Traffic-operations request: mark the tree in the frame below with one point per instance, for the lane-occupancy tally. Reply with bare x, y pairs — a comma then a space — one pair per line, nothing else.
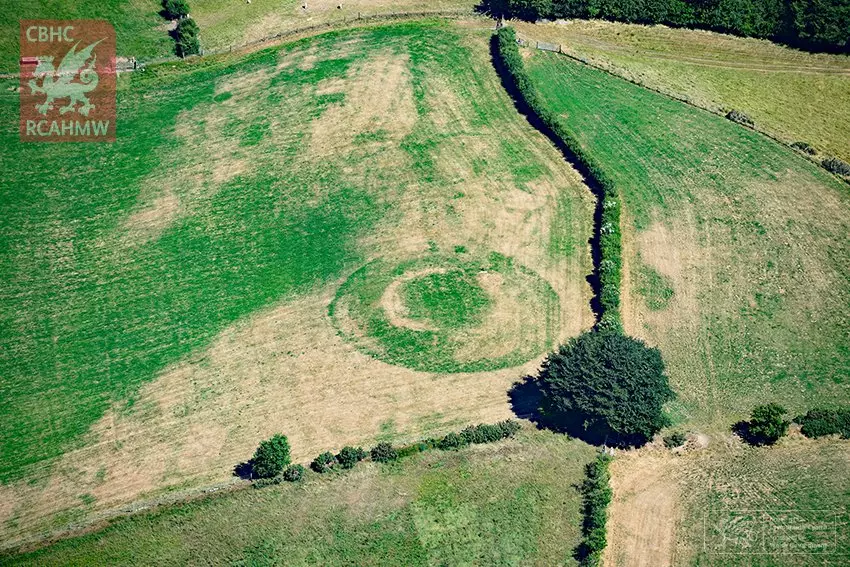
175, 9
350, 456
767, 424
271, 457
186, 36
605, 387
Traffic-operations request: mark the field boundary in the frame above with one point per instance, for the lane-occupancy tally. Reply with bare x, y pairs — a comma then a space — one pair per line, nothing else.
544, 46
606, 240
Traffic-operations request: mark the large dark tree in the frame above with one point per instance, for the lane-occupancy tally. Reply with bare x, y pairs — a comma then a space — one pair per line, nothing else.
605, 387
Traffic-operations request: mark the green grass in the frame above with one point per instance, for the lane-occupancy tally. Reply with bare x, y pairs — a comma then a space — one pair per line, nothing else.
792, 94
509, 503
450, 299
136, 24
751, 238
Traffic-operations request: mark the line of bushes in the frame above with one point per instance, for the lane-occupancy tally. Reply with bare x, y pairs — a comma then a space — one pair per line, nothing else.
271, 462
767, 424
596, 495
607, 240
811, 24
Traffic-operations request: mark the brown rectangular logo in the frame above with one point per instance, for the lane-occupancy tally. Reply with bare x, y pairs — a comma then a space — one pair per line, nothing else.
67, 81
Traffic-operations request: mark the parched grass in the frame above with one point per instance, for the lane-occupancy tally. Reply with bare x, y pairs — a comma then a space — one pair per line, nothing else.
794, 95
509, 503
164, 302
750, 237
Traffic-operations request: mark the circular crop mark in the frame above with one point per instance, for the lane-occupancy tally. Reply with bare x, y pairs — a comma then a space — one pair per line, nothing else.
447, 314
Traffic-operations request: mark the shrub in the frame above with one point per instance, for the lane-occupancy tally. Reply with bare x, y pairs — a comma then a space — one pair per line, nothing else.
819, 422
420, 447
383, 453
186, 36
766, 425
293, 473
175, 9
605, 387
324, 462
740, 118
675, 439
350, 456
836, 165
451, 441
804, 147
271, 457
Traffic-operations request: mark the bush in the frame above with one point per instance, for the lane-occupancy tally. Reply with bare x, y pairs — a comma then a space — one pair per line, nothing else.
264, 482
324, 462
293, 473
766, 425
675, 439
819, 422
740, 118
383, 453
420, 447
271, 457
804, 147
605, 387
186, 36
350, 456
451, 441
175, 9
836, 165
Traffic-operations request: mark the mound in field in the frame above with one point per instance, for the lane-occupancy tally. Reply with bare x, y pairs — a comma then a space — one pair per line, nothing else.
447, 314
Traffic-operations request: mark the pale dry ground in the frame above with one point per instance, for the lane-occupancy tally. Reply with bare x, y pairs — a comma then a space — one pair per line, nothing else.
645, 509
285, 369
791, 94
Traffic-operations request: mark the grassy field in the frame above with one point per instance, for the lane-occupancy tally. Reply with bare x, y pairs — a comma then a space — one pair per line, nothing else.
142, 32
511, 503
794, 95
225, 23
736, 248
165, 298
722, 503
139, 28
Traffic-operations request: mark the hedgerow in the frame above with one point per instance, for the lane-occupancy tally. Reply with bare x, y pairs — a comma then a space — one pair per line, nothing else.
836, 165
609, 237
596, 495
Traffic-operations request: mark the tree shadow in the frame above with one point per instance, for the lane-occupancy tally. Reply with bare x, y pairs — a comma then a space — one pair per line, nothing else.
742, 430
245, 470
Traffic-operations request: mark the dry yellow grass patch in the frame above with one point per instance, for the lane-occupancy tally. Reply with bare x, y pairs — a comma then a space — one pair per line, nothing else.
645, 509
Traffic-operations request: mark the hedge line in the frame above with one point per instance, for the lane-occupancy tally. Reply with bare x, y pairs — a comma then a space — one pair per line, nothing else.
348, 457
596, 495
607, 238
